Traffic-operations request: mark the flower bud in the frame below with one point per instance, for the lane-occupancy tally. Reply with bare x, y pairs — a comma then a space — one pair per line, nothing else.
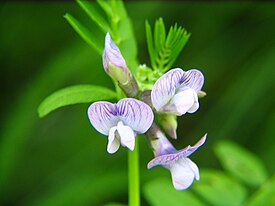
115, 66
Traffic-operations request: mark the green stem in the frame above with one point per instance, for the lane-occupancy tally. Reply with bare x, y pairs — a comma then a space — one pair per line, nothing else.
133, 176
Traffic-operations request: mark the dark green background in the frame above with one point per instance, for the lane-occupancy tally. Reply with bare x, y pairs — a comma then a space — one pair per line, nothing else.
61, 160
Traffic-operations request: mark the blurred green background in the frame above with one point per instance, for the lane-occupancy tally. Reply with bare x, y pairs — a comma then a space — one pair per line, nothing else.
62, 160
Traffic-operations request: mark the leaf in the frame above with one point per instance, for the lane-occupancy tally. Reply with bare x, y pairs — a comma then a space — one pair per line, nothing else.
265, 194
159, 34
151, 49
219, 189
88, 37
74, 95
106, 6
163, 51
241, 163
95, 14
175, 42
160, 192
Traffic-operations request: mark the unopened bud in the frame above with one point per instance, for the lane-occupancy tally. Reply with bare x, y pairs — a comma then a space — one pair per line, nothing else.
115, 66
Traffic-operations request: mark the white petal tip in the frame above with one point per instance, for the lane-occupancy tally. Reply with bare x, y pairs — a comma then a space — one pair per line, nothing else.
132, 146
111, 152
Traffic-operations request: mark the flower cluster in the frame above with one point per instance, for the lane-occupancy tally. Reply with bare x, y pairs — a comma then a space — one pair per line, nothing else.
174, 94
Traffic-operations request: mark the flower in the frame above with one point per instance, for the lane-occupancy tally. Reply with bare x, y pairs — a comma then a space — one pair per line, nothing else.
176, 91
116, 67
183, 170
120, 121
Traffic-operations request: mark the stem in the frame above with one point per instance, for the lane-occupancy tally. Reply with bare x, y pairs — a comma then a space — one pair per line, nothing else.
133, 176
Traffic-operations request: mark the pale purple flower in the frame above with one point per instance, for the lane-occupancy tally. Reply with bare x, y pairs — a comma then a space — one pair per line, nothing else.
121, 121
183, 170
176, 92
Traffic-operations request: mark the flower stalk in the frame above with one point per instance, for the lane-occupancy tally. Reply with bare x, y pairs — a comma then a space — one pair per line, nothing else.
133, 176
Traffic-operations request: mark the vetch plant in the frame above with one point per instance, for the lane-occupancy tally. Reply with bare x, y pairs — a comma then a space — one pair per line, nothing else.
142, 93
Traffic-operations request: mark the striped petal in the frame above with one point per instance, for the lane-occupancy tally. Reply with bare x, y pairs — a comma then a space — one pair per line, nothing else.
193, 78
165, 87
135, 114
103, 116
191, 149
170, 158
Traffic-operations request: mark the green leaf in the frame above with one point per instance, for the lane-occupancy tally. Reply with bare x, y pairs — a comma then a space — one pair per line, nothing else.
241, 163
265, 194
151, 49
163, 51
95, 14
175, 42
178, 46
106, 6
159, 34
160, 192
88, 36
74, 95
219, 189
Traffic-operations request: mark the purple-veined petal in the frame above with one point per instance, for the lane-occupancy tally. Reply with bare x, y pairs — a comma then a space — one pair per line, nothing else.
182, 174
136, 114
191, 149
127, 136
181, 102
103, 116
159, 143
163, 160
113, 141
169, 158
165, 88
112, 54
193, 78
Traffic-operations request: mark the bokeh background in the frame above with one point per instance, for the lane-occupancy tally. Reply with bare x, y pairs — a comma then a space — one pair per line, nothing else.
62, 160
